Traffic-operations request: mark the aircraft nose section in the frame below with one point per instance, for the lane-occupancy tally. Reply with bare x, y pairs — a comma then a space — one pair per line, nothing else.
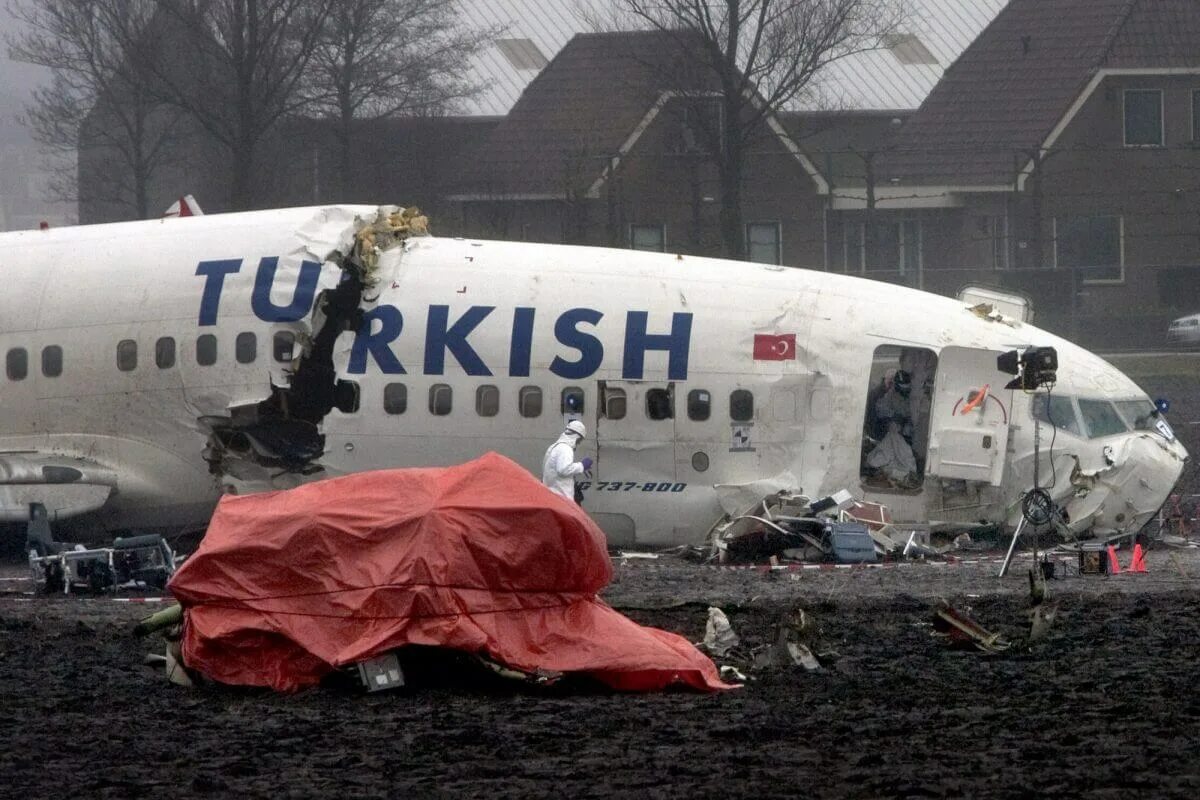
1141, 471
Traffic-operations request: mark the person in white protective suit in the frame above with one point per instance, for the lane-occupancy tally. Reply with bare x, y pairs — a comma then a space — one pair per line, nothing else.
559, 467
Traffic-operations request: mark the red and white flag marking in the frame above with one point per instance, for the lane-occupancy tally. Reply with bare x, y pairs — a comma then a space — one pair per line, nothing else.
774, 346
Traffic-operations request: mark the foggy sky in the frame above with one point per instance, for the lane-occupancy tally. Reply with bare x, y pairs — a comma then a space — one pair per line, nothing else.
17, 80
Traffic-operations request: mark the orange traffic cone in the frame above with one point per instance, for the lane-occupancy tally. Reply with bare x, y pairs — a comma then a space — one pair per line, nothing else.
1114, 566
1139, 562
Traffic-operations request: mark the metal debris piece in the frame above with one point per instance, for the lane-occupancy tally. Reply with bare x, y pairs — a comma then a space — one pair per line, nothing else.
1041, 619
958, 629
719, 636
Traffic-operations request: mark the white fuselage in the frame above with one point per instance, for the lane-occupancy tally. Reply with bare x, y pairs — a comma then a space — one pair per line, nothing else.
493, 333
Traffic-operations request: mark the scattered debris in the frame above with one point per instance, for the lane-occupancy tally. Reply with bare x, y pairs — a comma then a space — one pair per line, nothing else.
959, 630
719, 636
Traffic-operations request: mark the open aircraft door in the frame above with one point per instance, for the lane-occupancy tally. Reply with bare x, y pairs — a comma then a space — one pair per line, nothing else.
968, 430
635, 434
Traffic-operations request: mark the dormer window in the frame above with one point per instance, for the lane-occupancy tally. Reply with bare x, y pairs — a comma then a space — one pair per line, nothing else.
1143, 118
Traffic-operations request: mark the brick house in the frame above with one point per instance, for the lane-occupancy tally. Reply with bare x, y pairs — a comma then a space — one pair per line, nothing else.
1057, 156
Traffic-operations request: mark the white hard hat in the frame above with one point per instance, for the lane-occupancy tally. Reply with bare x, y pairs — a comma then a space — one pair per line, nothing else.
576, 427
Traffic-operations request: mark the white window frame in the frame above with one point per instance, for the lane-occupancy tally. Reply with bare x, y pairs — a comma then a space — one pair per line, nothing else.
1120, 250
905, 269
1194, 95
1162, 121
778, 227
998, 229
662, 232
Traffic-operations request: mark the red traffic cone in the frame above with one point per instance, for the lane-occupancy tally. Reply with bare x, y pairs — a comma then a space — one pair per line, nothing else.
1114, 566
1139, 562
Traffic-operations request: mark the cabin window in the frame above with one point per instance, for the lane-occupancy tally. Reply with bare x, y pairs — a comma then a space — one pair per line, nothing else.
164, 353
764, 242
614, 403
1100, 418
52, 361
1092, 246
899, 398
245, 348
699, 405
741, 405
572, 400
206, 350
16, 364
1056, 410
529, 401
346, 397
1143, 118
283, 345
440, 399
659, 404
395, 398
487, 400
126, 355
652, 238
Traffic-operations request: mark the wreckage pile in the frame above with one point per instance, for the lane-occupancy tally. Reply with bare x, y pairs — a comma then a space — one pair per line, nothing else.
287, 587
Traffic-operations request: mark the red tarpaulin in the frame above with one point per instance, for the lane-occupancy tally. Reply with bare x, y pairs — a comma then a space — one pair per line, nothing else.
287, 586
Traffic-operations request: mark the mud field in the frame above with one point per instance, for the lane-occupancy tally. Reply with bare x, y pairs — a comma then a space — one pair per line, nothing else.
1104, 707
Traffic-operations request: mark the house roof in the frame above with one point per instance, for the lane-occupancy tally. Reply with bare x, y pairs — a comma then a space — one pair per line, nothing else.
572, 119
1009, 90
896, 77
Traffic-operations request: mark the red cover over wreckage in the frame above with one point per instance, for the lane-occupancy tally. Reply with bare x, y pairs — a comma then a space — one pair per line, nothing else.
480, 557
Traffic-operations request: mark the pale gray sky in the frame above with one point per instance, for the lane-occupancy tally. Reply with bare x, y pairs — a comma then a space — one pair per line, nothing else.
17, 80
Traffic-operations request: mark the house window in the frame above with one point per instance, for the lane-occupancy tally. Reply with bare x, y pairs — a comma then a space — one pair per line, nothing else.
1143, 118
764, 242
700, 126
487, 400
395, 398
52, 361
995, 229
126, 355
1092, 245
529, 401
164, 352
652, 238
440, 399
891, 247
1196, 116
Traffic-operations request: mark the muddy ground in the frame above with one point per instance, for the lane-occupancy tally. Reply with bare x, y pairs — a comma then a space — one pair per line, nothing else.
1105, 707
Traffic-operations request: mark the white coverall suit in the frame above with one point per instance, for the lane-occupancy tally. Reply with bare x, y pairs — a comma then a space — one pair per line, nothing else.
559, 467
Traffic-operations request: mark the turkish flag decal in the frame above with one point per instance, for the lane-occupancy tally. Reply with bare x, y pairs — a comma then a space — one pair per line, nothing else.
774, 347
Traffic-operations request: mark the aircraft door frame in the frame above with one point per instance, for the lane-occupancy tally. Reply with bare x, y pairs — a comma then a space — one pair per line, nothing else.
970, 417
633, 449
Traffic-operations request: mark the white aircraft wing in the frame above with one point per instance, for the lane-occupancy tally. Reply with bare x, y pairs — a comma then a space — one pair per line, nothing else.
66, 486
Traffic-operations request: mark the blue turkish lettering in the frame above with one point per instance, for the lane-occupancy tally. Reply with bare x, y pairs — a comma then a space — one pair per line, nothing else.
591, 350
440, 336
302, 298
677, 343
522, 342
214, 273
391, 322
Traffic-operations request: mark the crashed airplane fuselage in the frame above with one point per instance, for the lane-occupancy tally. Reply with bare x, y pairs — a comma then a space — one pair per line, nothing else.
152, 365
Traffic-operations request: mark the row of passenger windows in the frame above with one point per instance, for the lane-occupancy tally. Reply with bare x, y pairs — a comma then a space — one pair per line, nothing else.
659, 402
245, 351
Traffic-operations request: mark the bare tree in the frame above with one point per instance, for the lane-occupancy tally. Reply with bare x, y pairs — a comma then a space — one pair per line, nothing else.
383, 58
99, 100
237, 72
752, 58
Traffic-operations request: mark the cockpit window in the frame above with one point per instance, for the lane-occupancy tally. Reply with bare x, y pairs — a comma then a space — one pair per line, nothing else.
1101, 419
1060, 412
1140, 414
